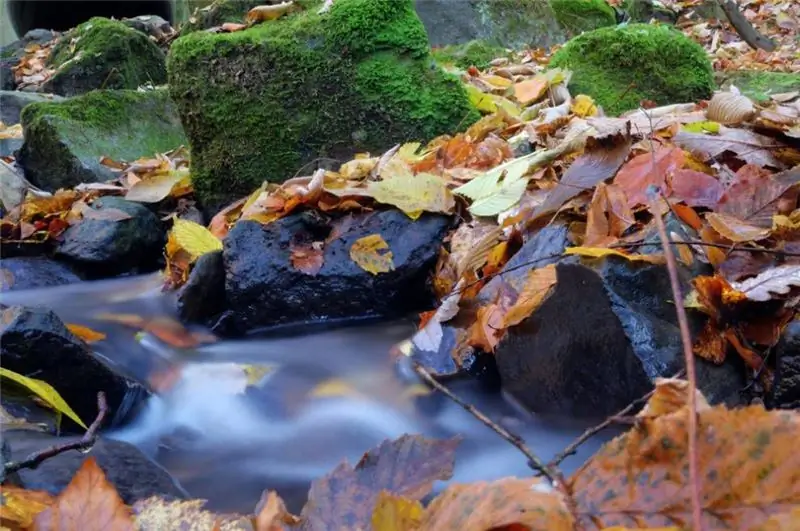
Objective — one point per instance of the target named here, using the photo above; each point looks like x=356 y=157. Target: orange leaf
x=88 y=503
x=487 y=330
x=219 y=223
x=711 y=344
x=166 y=329
x=734 y=229
x=86 y=333
x=688 y=215
x=695 y=188
x=18 y=507
x=271 y=513
x=307 y=258
x=649 y=168
x=536 y=289
x=530 y=90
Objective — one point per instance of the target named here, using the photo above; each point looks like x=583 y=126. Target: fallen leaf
x=487 y=330
x=155 y=514
x=271 y=513
x=583 y=106
x=106 y=214
x=695 y=188
x=372 y=254
x=307 y=258
x=734 y=229
x=18 y=507
x=395 y=513
x=230 y=27
x=669 y=396
x=225 y=217
x=748 y=146
x=530 y=90
x=537 y=288
x=268 y=12
x=195 y=239
x=411 y=193
x=88 y=503
x=608 y=215
x=754 y=196
x=166 y=329
x=86 y=333
x=779 y=280
x=346 y=497
x=600 y=252
x=729 y=108
x=44 y=391
x=153 y=189
x=648 y=169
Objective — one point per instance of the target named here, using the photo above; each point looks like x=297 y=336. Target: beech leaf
x=372 y=254
x=195 y=239
x=748 y=146
x=44 y=391
x=153 y=189
x=776 y=281
x=411 y=193
x=648 y=169
x=268 y=12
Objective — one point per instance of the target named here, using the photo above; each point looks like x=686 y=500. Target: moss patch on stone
x=260 y=103
x=104 y=53
x=64 y=140
x=760 y=85
x=621 y=66
x=577 y=16
x=520 y=23
x=476 y=53
x=647 y=10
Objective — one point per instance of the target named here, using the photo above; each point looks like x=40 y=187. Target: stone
x=263 y=289
x=34 y=272
x=35 y=342
x=18 y=403
x=13 y=186
x=359 y=78
x=647 y=10
x=65 y=140
x=785 y=392
x=104 y=54
x=13 y=101
x=134 y=475
x=577 y=16
x=760 y=85
x=204 y=293
x=659 y=62
x=476 y=53
x=11 y=53
x=151 y=25
x=104 y=247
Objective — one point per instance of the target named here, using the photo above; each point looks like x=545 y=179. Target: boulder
x=34 y=272
x=203 y=295
x=151 y=25
x=577 y=16
x=621 y=66
x=13 y=101
x=104 y=54
x=760 y=85
x=263 y=288
x=106 y=247
x=647 y=10
x=134 y=475
x=308 y=86
x=476 y=53
x=35 y=342
x=785 y=392
x=65 y=140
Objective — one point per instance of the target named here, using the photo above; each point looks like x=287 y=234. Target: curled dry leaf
x=600 y=252
x=372 y=254
x=669 y=396
x=271 y=513
x=729 y=108
x=779 y=280
x=747 y=145
x=268 y=12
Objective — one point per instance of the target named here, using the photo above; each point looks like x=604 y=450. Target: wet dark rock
x=151 y=25
x=34 y=272
x=18 y=403
x=263 y=289
x=133 y=474
x=204 y=293
x=786 y=387
x=35 y=342
x=105 y=247
x=12 y=102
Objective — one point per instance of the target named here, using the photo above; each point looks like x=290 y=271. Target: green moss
x=64 y=140
x=621 y=66
x=577 y=16
x=760 y=85
x=104 y=53
x=260 y=103
x=473 y=53
x=647 y=10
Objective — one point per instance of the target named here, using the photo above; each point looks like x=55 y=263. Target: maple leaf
x=346 y=497
x=648 y=169
x=88 y=503
x=372 y=254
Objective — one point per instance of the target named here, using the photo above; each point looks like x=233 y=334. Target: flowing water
x=329 y=395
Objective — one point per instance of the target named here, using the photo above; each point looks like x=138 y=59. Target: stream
x=330 y=394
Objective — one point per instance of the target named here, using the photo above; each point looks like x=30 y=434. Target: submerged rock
x=35 y=342
x=34 y=272
x=65 y=140
x=660 y=63
x=359 y=78
x=106 y=247
x=134 y=475
x=104 y=54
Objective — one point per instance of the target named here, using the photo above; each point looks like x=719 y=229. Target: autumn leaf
x=155 y=188
x=735 y=230
x=583 y=106
x=18 y=507
x=499 y=188
x=307 y=258
x=86 y=333
x=729 y=108
x=669 y=396
x=105 y=214
x=166 y=329
x=530 y=90
x=695 y=188
x=88 y=503
x=225 y=217
x=608 y=216
x=600 y=252
x=648 y=169
x=194 y=238
x=155 y=514
x=44 y=391
x=395 y=513
x=487 y=330
x=779 y=280
x=411 y=193
x=754 y=196
x=536 y=289
x=268 y=12
x=271 y=513
x=372 y=254
x=346 y=497
x=747 y=145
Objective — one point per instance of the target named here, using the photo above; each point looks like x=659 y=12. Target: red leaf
x=696 y=188
x=646 y=169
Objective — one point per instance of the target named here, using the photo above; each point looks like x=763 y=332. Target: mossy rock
x=519 y=23
x=760 y=85
x=473 y=53
x=259 y=104
x=65 y=140
x=217 y=13
x=578 y=16
x=104 y=54
x=621 y=66
x=647 y=10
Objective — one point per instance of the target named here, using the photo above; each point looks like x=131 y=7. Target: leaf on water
x=734 y=229
x=538 y=286
x=372 y=254
x=268 y=12
x=748 y=146
x=776 y=281
x=86 y=333
x=600 y=252
x=395 y=513
x=44 y=391
x=346 y=497
x=648 y=169
x=155 y=514
x=307 y=258
x=508 y=503
x=88 y=503
x=641 y=479
x=153 y=189
x=411 y=193
x=729 y=108
x=166 y=329
x=695 y=188
x=194 y=238
x=18 y=507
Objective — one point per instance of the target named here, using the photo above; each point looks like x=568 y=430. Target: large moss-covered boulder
x=476 y=53
x=760 y=85
x=65 y=140
x=577 y=16
x=104 y=53
x=259 y=104
x=621 y=66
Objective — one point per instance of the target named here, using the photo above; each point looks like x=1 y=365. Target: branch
x=746 y=31
x=87 y=441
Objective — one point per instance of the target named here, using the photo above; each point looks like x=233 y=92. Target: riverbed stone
x=133 y=475
x=65 y=140
x=659 y=62
x=35 y=342
x=13 y=101
x=260 y=103
x=105 y=247
x=34 y=272
x=107 y=54
x=204 y=293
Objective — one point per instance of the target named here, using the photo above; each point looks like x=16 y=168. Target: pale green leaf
x=504 y=197
x=44 y=391
x=486 y=184
x=195 y=239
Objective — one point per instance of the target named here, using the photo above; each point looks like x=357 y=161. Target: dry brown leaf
x=153 y=189
x=755 y=195
x=308 y=258
x=530 y=90
x=608 y=215
x=729 y=108
x=107 y=214
x=537 y=288
x=779 y=280
x=734 y=229
x=648 y=169
x=669 y=396
x=747 y=145
x=268 y=12
x=695 y=188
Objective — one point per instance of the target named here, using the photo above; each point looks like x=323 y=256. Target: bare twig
x=683 y=323
x=87 y=441
x=744 y=28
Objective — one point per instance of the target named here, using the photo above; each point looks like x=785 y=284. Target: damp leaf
x=413 y=194
x=46 y=392
x=536 y=289
x=648 y=169
x=395 y=513
x=372 y=254
x=18 y=507
x=86 y=333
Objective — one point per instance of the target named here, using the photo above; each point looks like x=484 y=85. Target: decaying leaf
x=271 y=513
x=536 y=289
x=18 y=507
x=669 y=396
x=155 y=514
x=44 y=391
x=372 y=254
x=750 y=147
x=648 y=169
x=86 y=333
x=779 y=280
x=734 y=229
x=695 y=188
x=268 y=12
x=395 y=513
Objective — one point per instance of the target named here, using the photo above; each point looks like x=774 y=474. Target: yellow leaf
x=395 y=513
x=372 y=254
x=600 y=252
x=333 y=387
x=255 y=373
x=537 y=288
x=194 y=239
x=270 y=12
x=583 y=106
x=497 y=81
x=411 y=193
x=44 y=391
x=19 y=506
x=86 y=333
x=483 y=102
x=153 y=189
